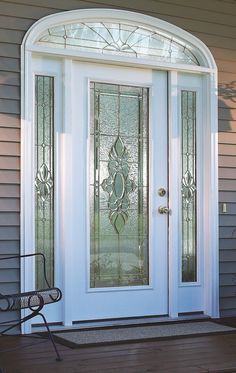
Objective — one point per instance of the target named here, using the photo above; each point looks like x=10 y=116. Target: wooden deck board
x=213 y=353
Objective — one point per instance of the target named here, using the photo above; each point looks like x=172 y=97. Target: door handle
x=163 y=210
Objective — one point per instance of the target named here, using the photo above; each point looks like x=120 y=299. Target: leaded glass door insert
x=119 y=215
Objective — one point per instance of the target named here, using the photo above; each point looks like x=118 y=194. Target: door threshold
x=132 y=321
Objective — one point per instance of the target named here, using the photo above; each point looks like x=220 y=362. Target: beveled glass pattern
x=119 y=39
x=189 y=199
x=118 y=186
x=44 y=175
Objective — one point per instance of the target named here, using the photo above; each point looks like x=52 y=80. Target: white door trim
x=210 y=146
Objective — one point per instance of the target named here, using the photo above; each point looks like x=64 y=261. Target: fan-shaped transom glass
x=120 y=39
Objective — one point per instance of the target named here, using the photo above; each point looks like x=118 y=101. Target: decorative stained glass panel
x=120 y=39
x=119 y=228
x=44 y=175
x=189 y=199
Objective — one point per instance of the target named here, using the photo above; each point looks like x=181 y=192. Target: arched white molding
x=108 y=15
x=208 y=67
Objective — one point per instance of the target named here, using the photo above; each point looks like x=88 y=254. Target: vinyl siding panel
x=227 y=138
x=9 y=176
x=227 y=172
x=15 y=23
x=9 y=78
x=213 y=21
x=227 y=197
x=231 y=209
x=229 y=185
x=10 y=50
x=222 y=53
x=9 y=205
x=10 y=218
x=7 y=134
x=10 y=163
x=11 y=36
x=9 y=120
x=9 y=148
x=227 y=125
x=9 y=246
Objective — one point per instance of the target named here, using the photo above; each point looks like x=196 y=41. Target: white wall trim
x=27 y=192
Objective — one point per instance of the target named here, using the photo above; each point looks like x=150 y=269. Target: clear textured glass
x=120 y=39
x=44 y=176
x=189 y=199
x=118 y=186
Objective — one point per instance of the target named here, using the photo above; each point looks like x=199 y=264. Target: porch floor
x=33 y=354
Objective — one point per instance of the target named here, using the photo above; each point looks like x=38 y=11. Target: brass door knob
x=163 y=210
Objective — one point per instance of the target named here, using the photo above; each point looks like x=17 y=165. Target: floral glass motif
x=44 y=182
x=44 y=175
x=189 y=199
x=124 y=39
x=118 y=185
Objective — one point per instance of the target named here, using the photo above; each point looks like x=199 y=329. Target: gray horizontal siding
x=9 y=246
x=10 y=177
x=11 y=36
x=8 y=205
x=227 y=149
x=228 y=220
x=9 y=148
x=10 y=218
x=227 y=125
x=9 y=190
x=9 y=64
x=225 y=196
x=9 y=77
x=15 y=23
x=10 y=50
x=227 y=138
x=227 y=179
x=227 y=66
x=213 y=21
x=231 y=209
x=9 y=133
x=9 y=120
x=227 y=255
x=228 y=172
x=9 y=276
x=9 y=163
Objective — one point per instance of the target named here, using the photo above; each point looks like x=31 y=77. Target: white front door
x=117 y=148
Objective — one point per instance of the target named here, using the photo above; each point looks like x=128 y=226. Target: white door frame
x=210 y=141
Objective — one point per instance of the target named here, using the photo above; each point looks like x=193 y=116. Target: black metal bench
x=34 y=301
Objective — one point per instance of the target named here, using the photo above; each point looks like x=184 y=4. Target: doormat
x=115 y=335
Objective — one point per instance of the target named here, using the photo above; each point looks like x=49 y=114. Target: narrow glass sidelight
x=189 y=198
x=44 y=175
x=119 y=226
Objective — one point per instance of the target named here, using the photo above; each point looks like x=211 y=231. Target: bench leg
x=51 y=337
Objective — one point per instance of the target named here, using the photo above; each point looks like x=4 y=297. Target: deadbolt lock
x=162 y=192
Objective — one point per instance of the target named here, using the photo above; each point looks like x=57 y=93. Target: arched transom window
x=123 y=39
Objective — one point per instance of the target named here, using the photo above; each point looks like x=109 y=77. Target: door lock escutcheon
x=162 y=192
